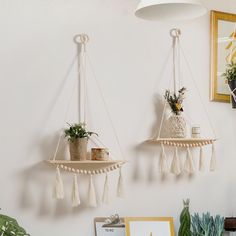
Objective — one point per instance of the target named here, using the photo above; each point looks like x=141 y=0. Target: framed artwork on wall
x=149 y=226
x=223 y=50
x=104 y=229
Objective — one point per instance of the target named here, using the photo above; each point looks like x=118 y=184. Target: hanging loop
x=81 y=38
x=175 y=33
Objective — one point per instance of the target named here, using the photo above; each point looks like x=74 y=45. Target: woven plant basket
x=78 y=149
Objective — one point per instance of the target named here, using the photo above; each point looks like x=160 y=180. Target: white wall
x=36 y=51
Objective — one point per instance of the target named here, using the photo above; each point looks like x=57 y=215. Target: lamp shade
x=170 y=9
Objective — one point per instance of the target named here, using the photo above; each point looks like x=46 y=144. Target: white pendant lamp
x=170 y=9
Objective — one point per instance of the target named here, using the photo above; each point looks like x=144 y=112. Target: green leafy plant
x=207 y=225
x=230 y=72
x=10 y=227
x=175 y=101
x=185 y=220
x=76 y=131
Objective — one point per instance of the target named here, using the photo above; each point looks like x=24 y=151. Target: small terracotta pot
x=78 y=149
x=99 y=154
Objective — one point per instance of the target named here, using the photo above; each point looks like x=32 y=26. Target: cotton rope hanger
x=176 y=72
x=83 y=39
x=176 y=46
x=58 y=193
x=189 y=167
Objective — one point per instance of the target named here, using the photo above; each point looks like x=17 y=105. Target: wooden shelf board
x=85 y=162
x=97 y=167
x=183 y=141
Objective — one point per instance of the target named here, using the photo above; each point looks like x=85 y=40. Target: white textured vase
x=177 y=126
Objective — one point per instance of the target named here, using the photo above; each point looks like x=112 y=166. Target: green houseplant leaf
x=230 y=72
x=207 y=225
x=185 y=220
x=10 y=227
x=76 y=131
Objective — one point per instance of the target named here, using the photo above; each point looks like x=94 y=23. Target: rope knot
x=175 y=33
x=81 y=39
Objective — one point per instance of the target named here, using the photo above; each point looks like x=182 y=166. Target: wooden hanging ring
x=175 y=33
x=81 y=38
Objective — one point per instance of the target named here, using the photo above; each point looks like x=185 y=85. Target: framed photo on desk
x=149 y=226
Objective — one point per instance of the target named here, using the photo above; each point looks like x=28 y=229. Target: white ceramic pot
x=177 y=126
x=78 y=149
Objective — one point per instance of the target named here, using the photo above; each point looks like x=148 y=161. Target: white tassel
x=213 y=159
x=175 y=165
x=120 y=186
x=75 y=199
x=189 y=165
x=201 y=161
x=58 y=191
x=105 y=195
x=92 y=200
x=163 y=165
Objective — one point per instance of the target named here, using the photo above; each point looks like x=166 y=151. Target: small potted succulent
x=177 y=123
x=207 y=225
x=78 y=140
x=230 y=76
x=196 y=225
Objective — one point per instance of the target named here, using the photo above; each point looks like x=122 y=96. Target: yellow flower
x=178 y=106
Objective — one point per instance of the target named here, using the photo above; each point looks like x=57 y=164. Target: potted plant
x=9 y=226
x=207 y=225
x=185 y=220
x=177 y=123
x=230 y=76
x=78 y=140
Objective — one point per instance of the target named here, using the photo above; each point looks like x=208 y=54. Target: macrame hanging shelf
x=86 y=167
x=183 y=143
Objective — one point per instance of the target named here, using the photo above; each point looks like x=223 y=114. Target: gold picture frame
x=222 y=26
x=149 y=226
